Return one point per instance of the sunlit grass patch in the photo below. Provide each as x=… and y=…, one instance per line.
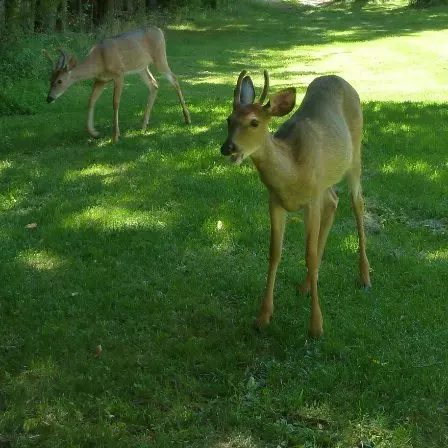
x=437, y=255
x=156, y=249
x=350, y=243
x=42, y=260
x=116, y=218
x=403, y=164
x=99, y=170
x=236, y=441
x=376, y=431
x=4, y=165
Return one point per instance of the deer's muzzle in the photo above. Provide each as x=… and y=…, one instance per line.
x=228, y=148
x=50, y=99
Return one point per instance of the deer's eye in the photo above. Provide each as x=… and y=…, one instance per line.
x=59, y=81
x=254, y=123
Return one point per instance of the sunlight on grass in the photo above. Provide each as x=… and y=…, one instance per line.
x=103, y=142
x=376, y=431
x=350, y=243
x=221, y=234
x=4, y=165
x=383, y=69
x=437, y=255
x=404, y=165
x=42, y=260
x=191, y=26
x=237, y=441
x=156, y=247
x=39, y=370
x=96, y=170
x=116, y=218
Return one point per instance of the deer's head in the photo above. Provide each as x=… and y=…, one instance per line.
x=248, y=123
x=61, y=78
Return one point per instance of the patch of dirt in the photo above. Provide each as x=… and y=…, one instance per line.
x=373, y=223
x=377, y=215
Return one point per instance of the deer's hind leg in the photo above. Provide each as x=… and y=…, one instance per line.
x=162, y=66
x=149, y=80
x=354, y=178
x=328, y=209
x=173, y=80
x=98, y=88
x=312, y=229
x=118, y=88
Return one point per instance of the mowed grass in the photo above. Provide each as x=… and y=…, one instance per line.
x=156, y=249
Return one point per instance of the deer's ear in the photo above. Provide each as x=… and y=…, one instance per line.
x=282, y=102
x=45, y=52
x=72, y=62
x=247, y=95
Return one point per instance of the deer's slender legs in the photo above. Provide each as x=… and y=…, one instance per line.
x=358, y=208
x=173, y=80
x=312, y=226
x=277, y=215
x=329, y=205
x=98, y=88
x=149, y=80
x=118, y=87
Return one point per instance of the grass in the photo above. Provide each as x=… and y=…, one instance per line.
x=120, y=246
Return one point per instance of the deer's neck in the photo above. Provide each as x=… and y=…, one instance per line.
x=273, y=161
x=89, y=68
x=282, y=173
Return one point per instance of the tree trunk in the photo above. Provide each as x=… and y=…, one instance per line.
x=61, y=21
x=2, y=15
x=32, y=15
x=151, y=4
x=11, y=10
x=80, y=14
x=50, y=18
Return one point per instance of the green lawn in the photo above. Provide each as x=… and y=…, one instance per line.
x=119, y=246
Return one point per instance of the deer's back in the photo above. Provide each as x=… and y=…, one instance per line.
x=325, y=129
x=132, y=51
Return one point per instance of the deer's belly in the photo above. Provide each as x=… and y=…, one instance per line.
x=104, y=77
x=294, y=198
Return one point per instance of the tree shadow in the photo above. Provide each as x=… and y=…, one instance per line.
x=127, y=254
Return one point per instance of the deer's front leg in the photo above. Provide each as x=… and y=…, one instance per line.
x=98, y=87
x=118, y=87
x=328, y=208
x=277, y=215
x=312, y=225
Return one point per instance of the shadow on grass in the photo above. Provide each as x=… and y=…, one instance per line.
x=127, y=254
x=257, y=31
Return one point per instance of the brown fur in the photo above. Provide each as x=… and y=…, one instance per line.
x=299, y=164
x=111, y=60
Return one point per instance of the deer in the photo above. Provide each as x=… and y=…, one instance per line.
x=110, y=60
x=300, y=164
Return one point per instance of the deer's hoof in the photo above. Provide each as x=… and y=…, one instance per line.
x=316, y=332
x=263, y=319
x=316, y=326
x=365, y=284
